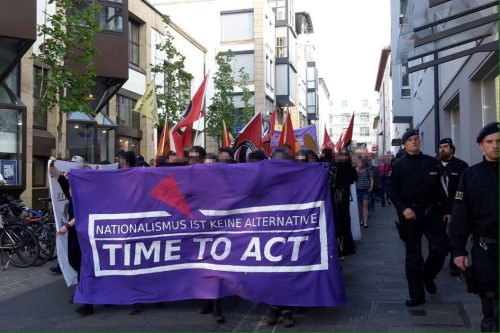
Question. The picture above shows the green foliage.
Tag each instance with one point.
(248, 110)
(68, 50)
(222, 106)
(174, 96)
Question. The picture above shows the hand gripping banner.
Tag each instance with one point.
(262, 231)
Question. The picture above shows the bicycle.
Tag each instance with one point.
(18, 244)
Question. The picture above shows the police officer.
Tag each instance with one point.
(451, 170)
(416, 192)
(475, 213)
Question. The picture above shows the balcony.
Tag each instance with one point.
(17, 32)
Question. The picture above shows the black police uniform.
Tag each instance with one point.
(450, 177)
(475, 212)
(415, 183)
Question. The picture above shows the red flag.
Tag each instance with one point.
(250, 138)
(327, 142)
(338, 145)
(182, 133)
(163, 142)
(287, 136)
(226, 139)
(268, 133)
(346, 140)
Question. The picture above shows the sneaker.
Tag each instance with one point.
(288, 320)
(272, 316)
(219, 318)
(55, 269)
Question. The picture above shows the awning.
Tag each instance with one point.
(448, 29)
(80, 117)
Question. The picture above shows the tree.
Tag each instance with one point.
(174, 95)
(248, 110)
(68, 50)
(222, 106)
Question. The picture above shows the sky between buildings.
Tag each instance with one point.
(349, 36)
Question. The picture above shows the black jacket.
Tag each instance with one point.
(453, 170)
(475, 211)
(415, 182)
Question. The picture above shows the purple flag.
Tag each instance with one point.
(302, 135)
(263, 231)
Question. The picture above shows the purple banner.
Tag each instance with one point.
(263, 231)
(305, 136)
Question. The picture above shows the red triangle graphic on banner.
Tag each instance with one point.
(168, 192)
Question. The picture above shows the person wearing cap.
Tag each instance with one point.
(416, 192)
(451, 170)
(475, 212)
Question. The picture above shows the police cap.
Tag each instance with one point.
(408, 134)
(448, 141)
(487, 130)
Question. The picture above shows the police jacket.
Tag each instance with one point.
(450, 177)
(475, 210)
(415, 183)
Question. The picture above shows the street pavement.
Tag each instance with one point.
(34, 299)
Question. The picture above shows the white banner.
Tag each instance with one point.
(60, 207)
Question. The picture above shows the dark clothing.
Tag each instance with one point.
(415, 183)
(475, 212)
(450, 177)
(74, 252)
(342, 175)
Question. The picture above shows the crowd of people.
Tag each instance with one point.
(430, 195)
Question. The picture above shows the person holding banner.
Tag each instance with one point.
(74, 252)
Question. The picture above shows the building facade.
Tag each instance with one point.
(449, 50)
(126, 48)
(268, 39)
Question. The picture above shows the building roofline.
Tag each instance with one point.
(178, 29)
(384, 56)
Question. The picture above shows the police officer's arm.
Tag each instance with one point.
(459, 230)
(394, 188)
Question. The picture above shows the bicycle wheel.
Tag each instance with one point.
(46, 240)
(19, 246)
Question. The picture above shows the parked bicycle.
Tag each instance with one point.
(18, 245)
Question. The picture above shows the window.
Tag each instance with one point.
(40, 171)
(126, 116)
(364, 102)
(346, 117)
(364, 131)
(343, 103)
(245, 60)
(80, 140)
(111, 18)
(405, 82)
(127, 143)
(279, 8)
(133, 38)
(281, 42)
(363, 117)
(39, 88)
(10, 145)
(311, 77)
(489, 96)
(330, 118)
(236, 26)
(455, 127)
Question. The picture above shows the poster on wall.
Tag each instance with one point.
(8, 168)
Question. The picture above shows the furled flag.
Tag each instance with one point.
(182, 133)
(338, 145)
(346, 140)
(226, 139)
(287, 136)
(249, 139)
(163, 142)
(146, 105)
(327, 142)
(269, 131)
